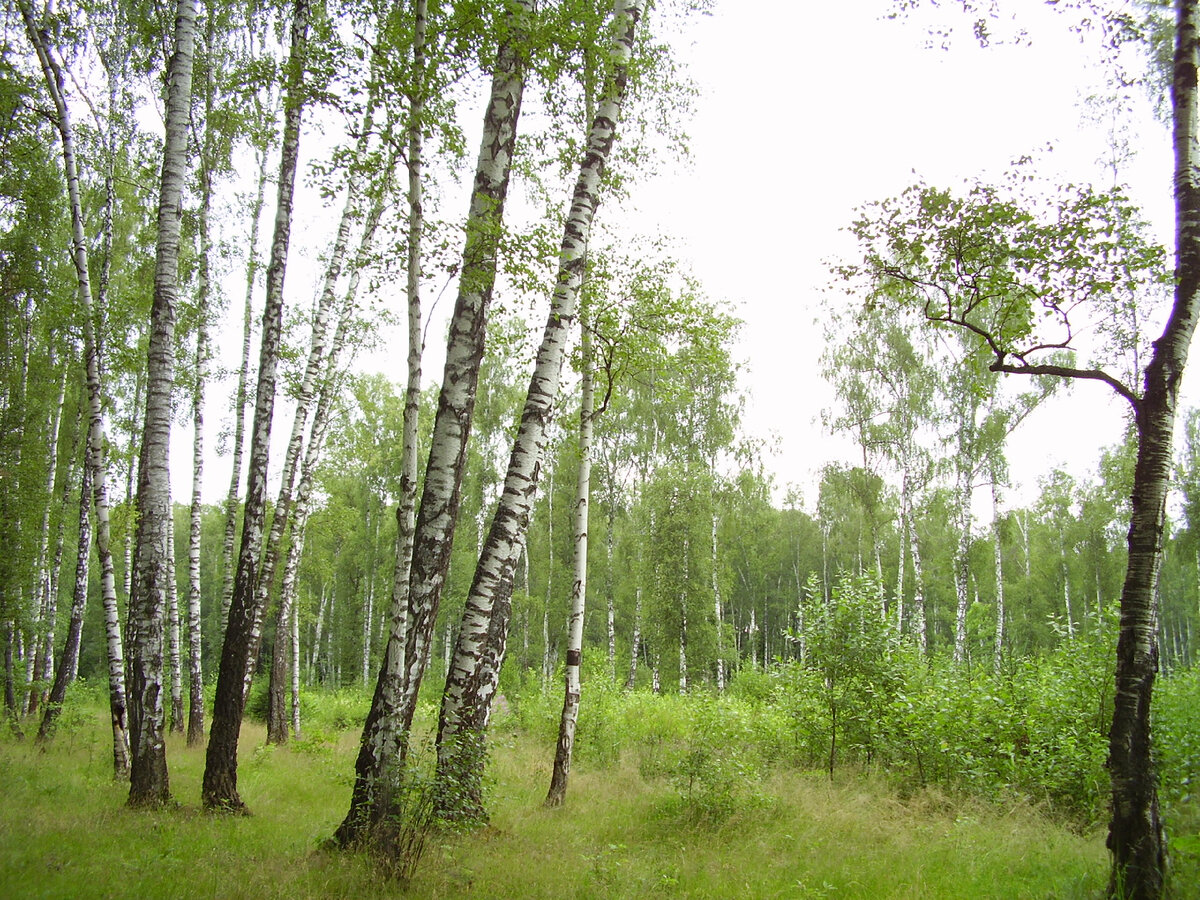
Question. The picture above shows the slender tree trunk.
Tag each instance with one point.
(219, 789)
(717, 612)
(406, 513)
(472, 680)
(317, 359)
(406, 657)
(918, 589)
(195, 723)
(54, 76)
(570, 710)
(962, 571)
(609, 594)
(46, 602)
(241, 395)
(173, 634)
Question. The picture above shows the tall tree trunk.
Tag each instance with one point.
(46, 601)
(219, 789)
(962, 571)
(474, 672)
(610, 598)
(718, 615)
(148, 784)
(918, 589)
(195, 722)
(406, 657)
(1135, 835)
(55, 81)
(571, 693)
(998, 555)
(406, 513)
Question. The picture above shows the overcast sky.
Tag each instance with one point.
(809, 110)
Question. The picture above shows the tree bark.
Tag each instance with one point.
(219, 789)
(474, 672)
(571, 688)
(1135, 835)
(385, 733)
(149, 785)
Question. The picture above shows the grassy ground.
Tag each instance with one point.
(64, 832)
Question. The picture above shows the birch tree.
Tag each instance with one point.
(55, 80)
(385, 733)
(149, 785)
(483, 633)
(219, 789)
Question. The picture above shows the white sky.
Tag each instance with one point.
(808, 110)
(811, 109)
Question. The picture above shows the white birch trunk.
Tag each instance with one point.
(918, 589)
(571, 677)
(174, 634)
(406, 514)
(474, 670)
(997, 550)
(717, 613)
(52, 71)
(406, 657)
(149, 784)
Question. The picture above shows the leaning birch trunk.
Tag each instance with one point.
(474, 671)
(219, 789)
(570, 710)
(68, 664)
(148, 783)
(1135, 835)
(385, 733)
(52, 71)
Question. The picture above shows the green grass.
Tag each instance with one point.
(65, 832)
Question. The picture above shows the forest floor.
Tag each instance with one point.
(65, 832)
